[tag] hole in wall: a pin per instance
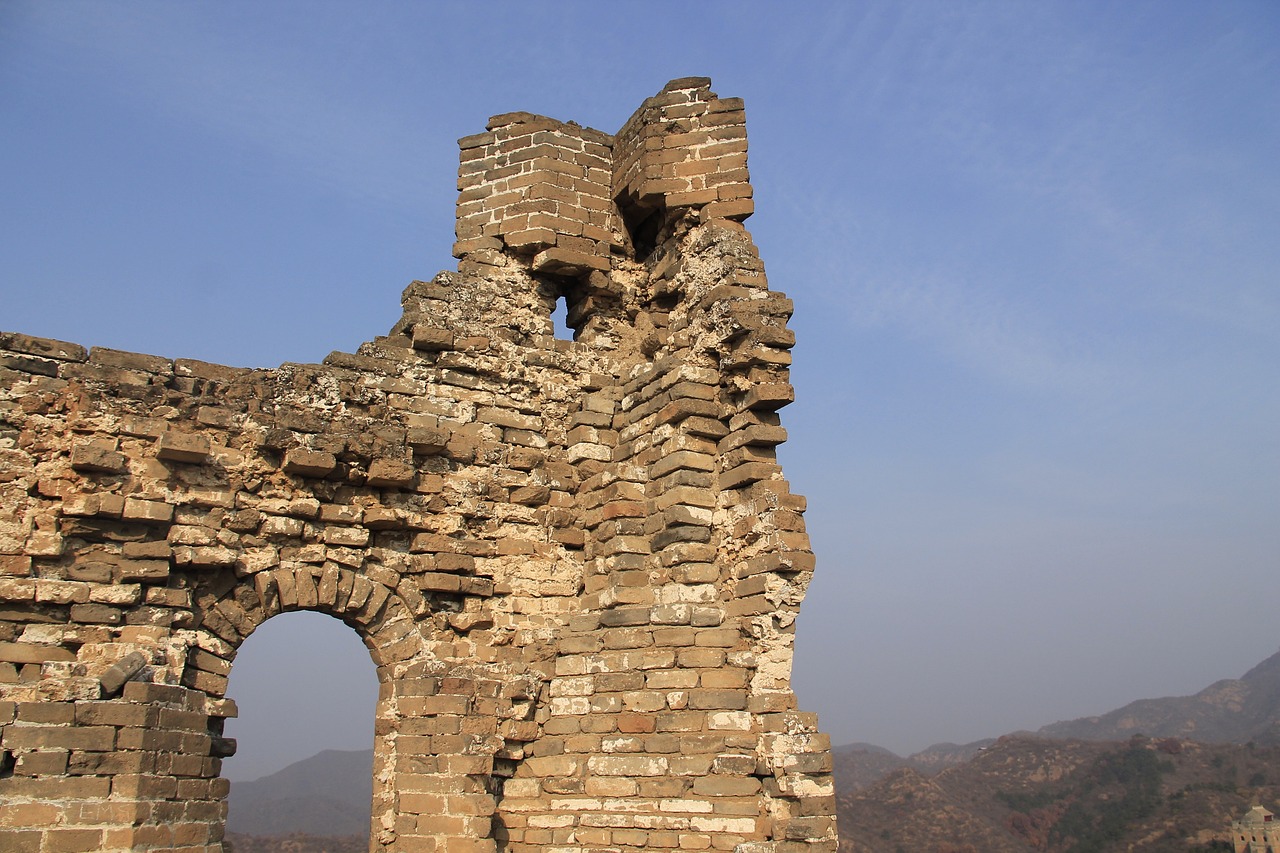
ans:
(307, 694)
(560, 319)
(644, 226)
(645, 233)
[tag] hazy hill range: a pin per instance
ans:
(296, 843)
(1025, 794)
(1234, 710)
(328, 794)
(857, 765)
(1091, 785)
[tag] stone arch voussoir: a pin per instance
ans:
(380, 616)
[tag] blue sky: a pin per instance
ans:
(1033, 249)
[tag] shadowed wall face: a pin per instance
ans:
(576, 565)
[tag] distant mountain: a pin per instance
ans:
(1026, 794)
(1092, 785)
(328, 794)
(1236, 710)
(857, 765)
(295, 842)
(940, 756)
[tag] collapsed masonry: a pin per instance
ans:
(576, 565)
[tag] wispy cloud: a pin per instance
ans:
(962, 313)
(1094, 213)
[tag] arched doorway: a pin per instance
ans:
(307, 693)
(391, 630)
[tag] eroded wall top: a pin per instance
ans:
(577, 564)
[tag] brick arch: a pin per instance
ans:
(377, 615)
(430, 717)
(388, 625)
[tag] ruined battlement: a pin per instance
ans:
(576, 564)
(573, 197)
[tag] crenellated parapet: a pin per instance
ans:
(577, 564)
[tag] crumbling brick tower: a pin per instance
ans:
(576, 564)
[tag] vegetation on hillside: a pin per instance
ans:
(1095, 809)
(1034, 795)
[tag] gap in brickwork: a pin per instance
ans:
(560, 319)
(644, 228)
(308, 685)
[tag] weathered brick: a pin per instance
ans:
(183, 447)
(309, 463)
(97, 456)
(24, 653)
(147, 511)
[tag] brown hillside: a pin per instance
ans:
(1027, 794)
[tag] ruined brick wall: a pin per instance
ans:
(576, 564)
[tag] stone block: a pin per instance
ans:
(746, 474)
(354, 537)
(143, 570)
(309, 463)
(558, 261)
(87, 738)
(46, 763)
(147, 511)
(43, 347)
(183, 447)
(96, 614)
(431, 338)
(134, 361)
(391, 473)
(98, 457)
